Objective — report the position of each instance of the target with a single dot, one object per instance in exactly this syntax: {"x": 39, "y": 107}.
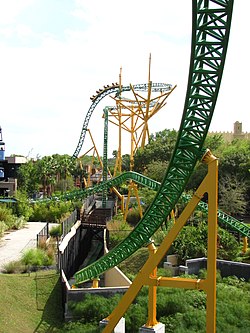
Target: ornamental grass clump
{"x": 36, "y": 258}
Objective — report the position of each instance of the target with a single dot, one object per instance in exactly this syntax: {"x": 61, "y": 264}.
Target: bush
{"x": 3, "y": 228}
{"x": 9, "y": 221}
{"x": 93, "y": 308}
{"x": 7, "y": 217}
{"x": 22, "y": 207}
{"x": 14, "y": 267}
{"x": 135, "y": 262}
{"x": 51, "y": 212}
{"x": 118, "y": 230}
{"x": 228, "y": 247}
{"x": 5, "y": 213}
{"x": 56, "y": 231}
{"x": 19, "y": 223}
{"x": 36, "y": 258}
{"x": 133, "y": 216}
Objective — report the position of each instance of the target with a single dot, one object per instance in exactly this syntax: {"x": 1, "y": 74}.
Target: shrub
{"x": 36, "y": 258}
{"x": 93, "y": 308}
{"x": 14, "y": 267}
{"x": 133, "y": 216}
{"x": 19, "y": 222}
{"x": 51, "y": 212}
{"x": 22, "y": 207}
{"x": 228, "y": 247}
{"x": 7, "y": 217}
{"x": 76, "y": 327}
{"x": 118, "y": 230}
{"x": 56, "y": 231}
{"x": 135, "y": 262}
{"x": 3, "y": 228}
{"x": 5, "y": 213}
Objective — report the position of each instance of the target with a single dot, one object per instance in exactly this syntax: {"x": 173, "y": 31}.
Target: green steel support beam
{"x": 105, "y": 158}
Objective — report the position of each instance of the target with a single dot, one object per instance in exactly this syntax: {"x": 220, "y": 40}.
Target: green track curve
{"x": 224, "y": 218}
{"x": 210, "y": 33}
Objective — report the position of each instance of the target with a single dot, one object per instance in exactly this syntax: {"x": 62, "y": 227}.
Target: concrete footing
{"x": 120, "y": 327}
{"x": 158, "y": 328}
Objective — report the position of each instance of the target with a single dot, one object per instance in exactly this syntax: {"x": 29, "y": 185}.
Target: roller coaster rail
{"x": 210, "y": 32}
{"x": 107, "y": 90}
{"x": 224, "y": 218}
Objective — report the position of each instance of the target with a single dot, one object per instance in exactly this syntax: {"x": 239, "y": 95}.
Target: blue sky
{"x": 54, "y": 55}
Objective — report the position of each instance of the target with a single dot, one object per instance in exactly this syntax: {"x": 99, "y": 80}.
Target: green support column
{"x": 105, "y": 158}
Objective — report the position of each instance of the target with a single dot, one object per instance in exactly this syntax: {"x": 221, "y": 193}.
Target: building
{"x": 8, "y": 170}
{"x": 236, "y": 134}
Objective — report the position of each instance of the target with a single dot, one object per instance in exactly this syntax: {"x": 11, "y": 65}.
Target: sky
{"x": 55, "y": 54}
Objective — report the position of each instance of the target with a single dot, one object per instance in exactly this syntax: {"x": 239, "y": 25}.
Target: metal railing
{"x": 67, "y": 224}
{"x": 43, "y": 235}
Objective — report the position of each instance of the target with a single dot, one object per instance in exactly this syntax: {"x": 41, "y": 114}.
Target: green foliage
{"x": 227, "y": 246}
{"x": 5, "y": 214}
{"x": 50, "y": 212}
{"x": 232, "y": 198}
{"x": 159, "y": 148}
{"x": 191, "y": 242}
{"x": 147, "y": 196}
{"x": 135, "y": 317}
{"x": 14, "y": 267}
{"x": 22, "y": 207}
{"x": 28, "y": 178}
{"x": 3, "y": 228}
{"x": 133, "y": 216}
{"x": 156, "y": 170}
{"x": 93, "y": 309}
{"x": 118, "y": 230}
{"x": 180, "y": 310}
{"x": 76, "y": 327}
{"x": 232, "y": 310}
{"x": 36, "y": 258}
{"x": 135, "y": 262}
{"x": 19, "y": 223}
{"x": 56, "y": 231}
{"x": 9, "y": 221}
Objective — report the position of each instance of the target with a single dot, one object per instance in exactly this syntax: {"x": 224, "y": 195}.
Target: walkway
{"x": 15, "y": 242}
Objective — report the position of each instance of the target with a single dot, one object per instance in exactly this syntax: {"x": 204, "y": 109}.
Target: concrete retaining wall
{"x": 226, "y": 268}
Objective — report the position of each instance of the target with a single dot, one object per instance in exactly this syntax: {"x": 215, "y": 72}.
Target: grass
{"x": 30, "y": 303}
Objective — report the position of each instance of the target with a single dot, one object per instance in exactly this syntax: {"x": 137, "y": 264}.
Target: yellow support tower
{"x": 147, "y": 275}
{"x": 132, "y": 115}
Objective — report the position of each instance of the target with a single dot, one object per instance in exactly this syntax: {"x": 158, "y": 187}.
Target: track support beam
{"x": 147, "y": 275}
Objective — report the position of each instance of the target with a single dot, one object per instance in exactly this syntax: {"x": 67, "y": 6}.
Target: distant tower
{"x": 238, "y": 134}
{"x": 2, "y": 147}
{"x": 237, "y": 128}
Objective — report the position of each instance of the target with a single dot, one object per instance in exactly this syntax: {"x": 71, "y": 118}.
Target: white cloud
{"x": 45, "y": 89}
{"x": 9, "y": 10}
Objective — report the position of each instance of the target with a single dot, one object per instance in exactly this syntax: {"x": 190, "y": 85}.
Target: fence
{"x": 69, "y": 222}
{"x": 70, "y": 251}
{"x": 43, "y": 235}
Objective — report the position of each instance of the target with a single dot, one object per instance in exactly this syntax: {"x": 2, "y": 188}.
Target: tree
{"x": 159, "y": 148}
{"x": 47, "y": 168}
{"x": 232, "y": 194}
{"x": 156, "y": 170}
{"x": 28, "y": 178}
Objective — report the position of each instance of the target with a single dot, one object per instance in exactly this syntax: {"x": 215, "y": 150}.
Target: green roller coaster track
{"x": 211, "y": 26}
{"x": 224, "y": 218}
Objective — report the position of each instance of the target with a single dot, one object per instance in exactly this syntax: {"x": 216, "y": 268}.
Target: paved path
{"x": 15, "y": 242}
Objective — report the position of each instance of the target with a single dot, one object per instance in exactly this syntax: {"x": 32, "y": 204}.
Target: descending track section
{"x": 117, "y": 89}
{"x": 210, "y": 33}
